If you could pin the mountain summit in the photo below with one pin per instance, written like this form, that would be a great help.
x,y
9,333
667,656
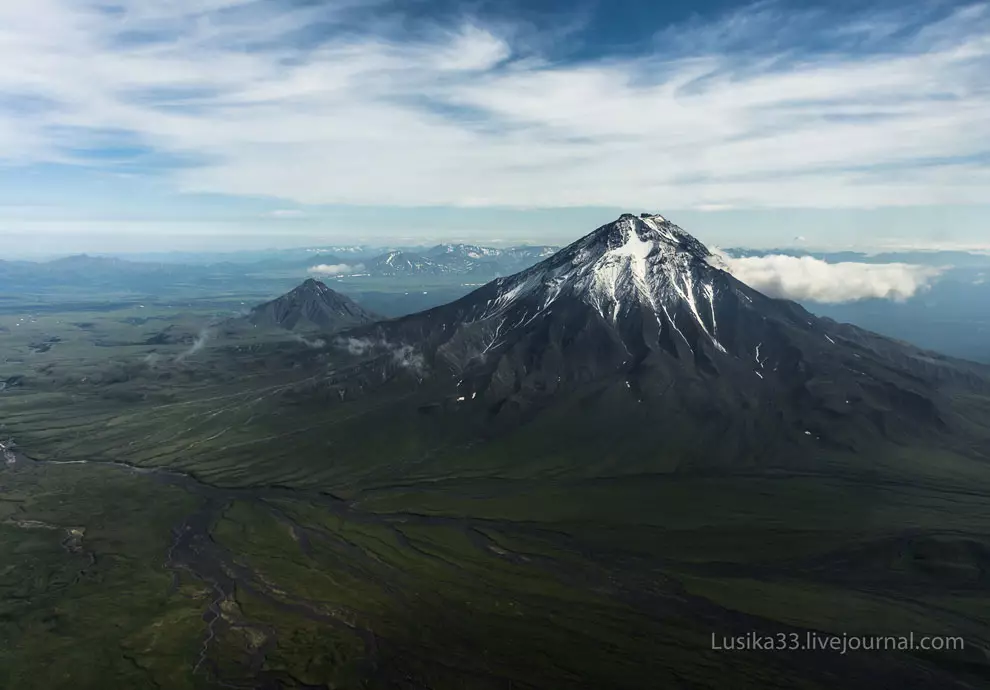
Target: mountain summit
x,y
311,306
631,267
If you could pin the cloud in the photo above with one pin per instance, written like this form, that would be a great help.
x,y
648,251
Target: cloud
x,y
198,344
405,356
315,344
355,346
806,278
287,213
299,102
336,269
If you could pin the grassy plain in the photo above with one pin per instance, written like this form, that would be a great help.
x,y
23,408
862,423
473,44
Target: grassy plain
x,y
323,542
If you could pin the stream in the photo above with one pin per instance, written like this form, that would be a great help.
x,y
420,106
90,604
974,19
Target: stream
x,y
193,551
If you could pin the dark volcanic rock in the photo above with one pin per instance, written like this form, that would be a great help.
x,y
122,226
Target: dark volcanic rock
x,y
311,306
643,310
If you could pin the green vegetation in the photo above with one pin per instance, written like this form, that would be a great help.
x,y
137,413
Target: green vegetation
x,y
311,547
74,613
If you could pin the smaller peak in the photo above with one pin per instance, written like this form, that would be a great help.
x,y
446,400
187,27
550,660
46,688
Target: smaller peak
x,y
313,284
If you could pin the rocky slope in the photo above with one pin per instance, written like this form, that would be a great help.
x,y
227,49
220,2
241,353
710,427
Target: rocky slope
x,y
311,306
643,309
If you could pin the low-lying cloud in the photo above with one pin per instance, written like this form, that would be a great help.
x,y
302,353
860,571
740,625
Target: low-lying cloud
x,y
357,346
404,356
407,357
198,344
336,269
808,278
315,344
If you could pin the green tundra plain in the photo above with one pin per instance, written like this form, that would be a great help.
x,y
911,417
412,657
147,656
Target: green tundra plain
x,y
185,505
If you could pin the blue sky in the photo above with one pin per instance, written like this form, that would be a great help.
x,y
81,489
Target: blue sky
x,y
142,124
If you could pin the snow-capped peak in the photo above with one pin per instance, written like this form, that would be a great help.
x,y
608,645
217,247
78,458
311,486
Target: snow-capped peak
x,y
642,261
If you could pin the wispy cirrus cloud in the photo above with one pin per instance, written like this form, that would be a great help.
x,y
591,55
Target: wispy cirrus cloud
x,y
301,103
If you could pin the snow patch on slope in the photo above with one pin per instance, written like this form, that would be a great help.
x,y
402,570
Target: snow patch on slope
x,y
646,262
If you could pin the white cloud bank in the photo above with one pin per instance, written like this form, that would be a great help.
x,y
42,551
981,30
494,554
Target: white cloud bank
x,y
335,269
473,116
808,278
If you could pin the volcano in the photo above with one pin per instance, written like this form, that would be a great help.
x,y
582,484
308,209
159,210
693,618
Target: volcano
x,y
641,316
311,306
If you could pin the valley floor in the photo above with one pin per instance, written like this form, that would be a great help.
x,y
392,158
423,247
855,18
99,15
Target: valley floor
x,y
154,534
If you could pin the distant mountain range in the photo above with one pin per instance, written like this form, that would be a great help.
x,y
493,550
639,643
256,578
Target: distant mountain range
x,y
95,273
454,259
